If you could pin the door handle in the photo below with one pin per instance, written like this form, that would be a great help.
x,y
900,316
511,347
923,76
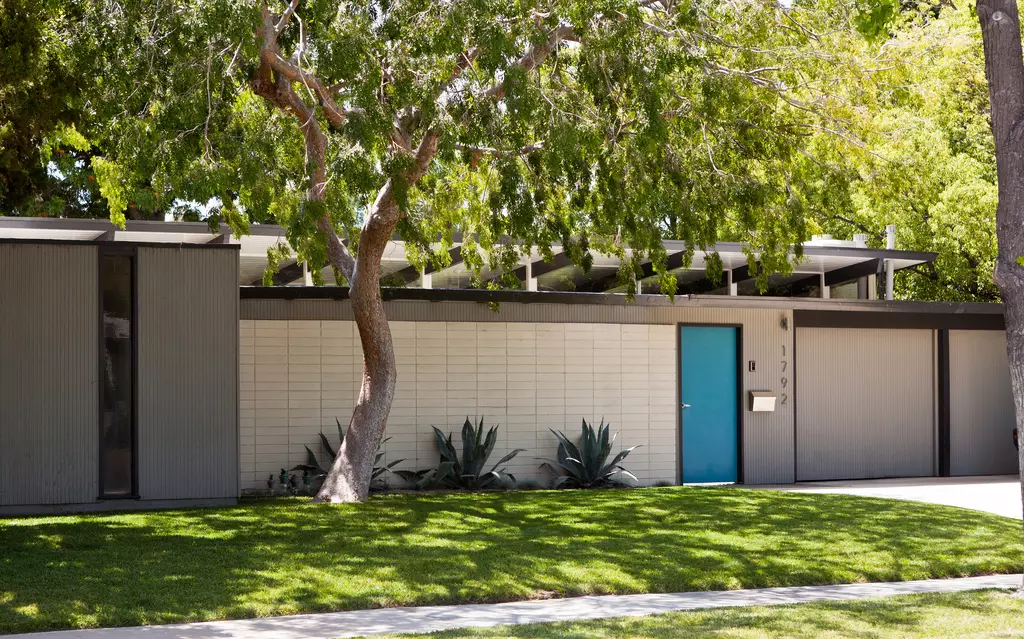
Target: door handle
x,y
686,405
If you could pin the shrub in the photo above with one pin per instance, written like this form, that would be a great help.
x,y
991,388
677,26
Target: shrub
x,y
583,465
312,465
468,471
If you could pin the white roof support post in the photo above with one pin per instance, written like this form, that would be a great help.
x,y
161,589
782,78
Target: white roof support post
x,y
890,243
426,280
732,287
531,281
307,275
826,291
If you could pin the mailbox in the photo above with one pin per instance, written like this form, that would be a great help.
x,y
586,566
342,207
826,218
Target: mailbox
x,y
762,401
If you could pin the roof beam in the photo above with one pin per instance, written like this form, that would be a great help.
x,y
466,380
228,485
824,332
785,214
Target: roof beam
x,y
541,267
223,237
284,275
706,284
411,273
837,276
674,261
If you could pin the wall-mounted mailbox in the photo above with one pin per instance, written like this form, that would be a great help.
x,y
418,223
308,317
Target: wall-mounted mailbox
x,y
762,401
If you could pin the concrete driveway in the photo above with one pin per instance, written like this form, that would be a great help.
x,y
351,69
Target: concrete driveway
x,y
996,494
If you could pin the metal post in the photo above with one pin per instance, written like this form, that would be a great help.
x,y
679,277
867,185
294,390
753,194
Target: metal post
x,y
427,280
307,276
890,243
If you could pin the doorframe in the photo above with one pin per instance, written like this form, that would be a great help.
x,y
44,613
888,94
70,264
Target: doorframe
x,y
679,394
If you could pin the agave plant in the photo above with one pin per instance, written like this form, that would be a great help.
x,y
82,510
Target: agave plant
x,y
586,465
313,467
468,471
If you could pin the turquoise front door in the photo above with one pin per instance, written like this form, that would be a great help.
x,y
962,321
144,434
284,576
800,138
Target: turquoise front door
x,y
710,403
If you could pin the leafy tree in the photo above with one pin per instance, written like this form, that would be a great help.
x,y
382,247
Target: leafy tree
x,y
927,164
591,123
42,82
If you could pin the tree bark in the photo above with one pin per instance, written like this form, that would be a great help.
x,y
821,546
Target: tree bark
x,y
1004,67
350,475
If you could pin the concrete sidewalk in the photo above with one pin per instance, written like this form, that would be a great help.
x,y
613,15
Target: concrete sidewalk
x,y
997,494
432,618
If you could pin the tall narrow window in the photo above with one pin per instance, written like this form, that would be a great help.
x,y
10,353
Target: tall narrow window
x,y
117,396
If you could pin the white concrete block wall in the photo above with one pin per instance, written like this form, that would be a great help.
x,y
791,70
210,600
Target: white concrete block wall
x,y
298,375
247,401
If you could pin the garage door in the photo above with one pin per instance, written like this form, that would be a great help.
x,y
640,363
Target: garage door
x,y
980,405
865,403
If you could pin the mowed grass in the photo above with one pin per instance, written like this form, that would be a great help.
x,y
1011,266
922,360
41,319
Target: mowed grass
x,y
970,615
292,556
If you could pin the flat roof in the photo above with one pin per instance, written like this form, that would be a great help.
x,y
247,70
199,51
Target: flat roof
x,y
834,263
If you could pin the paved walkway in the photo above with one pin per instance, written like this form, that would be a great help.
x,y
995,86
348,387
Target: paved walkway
x,y
998,494
432,618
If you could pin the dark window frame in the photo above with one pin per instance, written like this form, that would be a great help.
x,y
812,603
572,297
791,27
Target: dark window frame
x,y
132,254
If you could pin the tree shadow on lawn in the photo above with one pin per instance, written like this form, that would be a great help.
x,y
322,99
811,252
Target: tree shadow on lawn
x,y
284,557
953,614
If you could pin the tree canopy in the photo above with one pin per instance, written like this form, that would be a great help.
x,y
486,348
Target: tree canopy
x,y
928,164
638,119
888,126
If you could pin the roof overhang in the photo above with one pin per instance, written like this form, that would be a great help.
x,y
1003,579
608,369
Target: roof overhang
x,y
829,264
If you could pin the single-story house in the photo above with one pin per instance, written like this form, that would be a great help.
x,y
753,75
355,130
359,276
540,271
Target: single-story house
x,y
146,367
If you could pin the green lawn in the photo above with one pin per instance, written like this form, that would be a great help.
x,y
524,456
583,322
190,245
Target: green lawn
x,y
284,557
973,615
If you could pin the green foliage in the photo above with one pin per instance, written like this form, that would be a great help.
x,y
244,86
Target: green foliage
x,y
468,471
679,119
927,160
46,64
585,464
318,472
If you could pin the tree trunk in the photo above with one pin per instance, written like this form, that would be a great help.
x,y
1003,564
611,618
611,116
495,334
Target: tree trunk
x,y
350,476
1004,67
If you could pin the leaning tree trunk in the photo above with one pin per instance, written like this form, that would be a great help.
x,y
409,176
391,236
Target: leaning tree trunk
x,y
1004,66
350,476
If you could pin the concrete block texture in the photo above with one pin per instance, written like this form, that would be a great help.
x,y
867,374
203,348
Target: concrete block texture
x,y
527,377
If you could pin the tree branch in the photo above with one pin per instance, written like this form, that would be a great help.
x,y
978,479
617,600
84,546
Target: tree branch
x,y
285,17
275,87
325,96
533,58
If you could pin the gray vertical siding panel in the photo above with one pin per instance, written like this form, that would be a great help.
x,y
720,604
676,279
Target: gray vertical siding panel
x,y
981,404
767,441
49,412
188,373
865,403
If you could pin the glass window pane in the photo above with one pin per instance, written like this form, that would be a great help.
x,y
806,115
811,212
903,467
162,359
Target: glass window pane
x,y
116,398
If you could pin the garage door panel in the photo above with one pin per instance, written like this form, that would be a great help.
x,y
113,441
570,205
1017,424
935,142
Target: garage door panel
x,y
981,404
865,403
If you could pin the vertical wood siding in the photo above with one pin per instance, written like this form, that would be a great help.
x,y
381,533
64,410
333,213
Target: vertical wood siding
x,y
299,375
49,413
188,374
865,403
981,404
